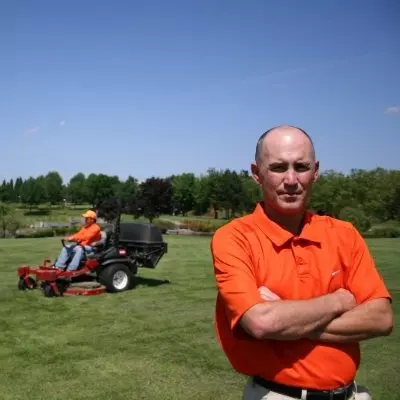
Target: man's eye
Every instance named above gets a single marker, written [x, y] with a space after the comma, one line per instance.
[278, 168]
[302, 167]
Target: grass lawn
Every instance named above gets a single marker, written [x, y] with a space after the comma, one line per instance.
[154, 342]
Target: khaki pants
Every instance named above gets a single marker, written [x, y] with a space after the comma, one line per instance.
[253, 391]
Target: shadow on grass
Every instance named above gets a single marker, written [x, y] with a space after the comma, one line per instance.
[150, 282]
[138, 280]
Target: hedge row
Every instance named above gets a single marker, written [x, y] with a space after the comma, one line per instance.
[200, 226]
[46, 232]
[163, 225]
[384, 232]
[194, 225]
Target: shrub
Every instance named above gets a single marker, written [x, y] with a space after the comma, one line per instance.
[200, 226]
[9, 220]
[357, 217]
[65, 230]
[383, 232]
[163, 224]
[37, 233]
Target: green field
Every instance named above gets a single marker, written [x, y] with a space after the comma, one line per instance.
[154, 342]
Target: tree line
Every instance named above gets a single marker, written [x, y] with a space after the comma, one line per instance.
[361, 196]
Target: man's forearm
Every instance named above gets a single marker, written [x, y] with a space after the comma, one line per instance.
[294, 319]
[366, 321]
[291, 319]
[324, 336]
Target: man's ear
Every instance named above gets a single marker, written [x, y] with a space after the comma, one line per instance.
[255, 173]
[316, 172]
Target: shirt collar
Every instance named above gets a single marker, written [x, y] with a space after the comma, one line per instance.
[280, 236]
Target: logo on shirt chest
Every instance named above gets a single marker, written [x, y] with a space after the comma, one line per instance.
[289, 281]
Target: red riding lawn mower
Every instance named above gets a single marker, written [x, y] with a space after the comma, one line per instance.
[110, 267]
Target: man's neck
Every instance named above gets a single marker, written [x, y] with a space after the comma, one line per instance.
[291, 223]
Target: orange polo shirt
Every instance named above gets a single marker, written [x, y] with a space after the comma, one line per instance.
[253, 251]
[88, 234]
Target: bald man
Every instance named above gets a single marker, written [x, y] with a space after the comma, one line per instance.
[297, 292]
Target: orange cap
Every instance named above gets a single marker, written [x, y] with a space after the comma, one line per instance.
[89, 214]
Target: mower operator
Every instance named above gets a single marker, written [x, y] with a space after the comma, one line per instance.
[87, 235]
[297, 292]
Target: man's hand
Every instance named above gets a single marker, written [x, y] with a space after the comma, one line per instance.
[267, 294]
[346, 300]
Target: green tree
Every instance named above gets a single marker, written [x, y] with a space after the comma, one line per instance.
[231, 186]
[18, 189]
[33, 192]
[331, 193]
[356, 216]
[127, 191]
[76, 189]
[251, 192]
[9, 221]
[183, 188]
[4, 192]
[154, 198]
[200, 194]
[54, 187]
[215, 190]
[100, 187]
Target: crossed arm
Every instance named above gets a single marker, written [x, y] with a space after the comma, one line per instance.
[368, 320]
[331, 318]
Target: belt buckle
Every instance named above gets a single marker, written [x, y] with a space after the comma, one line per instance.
[335, 394]
[339, 393]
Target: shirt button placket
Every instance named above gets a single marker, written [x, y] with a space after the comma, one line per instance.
[300, 259]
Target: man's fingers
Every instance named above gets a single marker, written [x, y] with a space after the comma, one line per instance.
[267, 294]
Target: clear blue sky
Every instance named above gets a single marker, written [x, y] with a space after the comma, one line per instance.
[152, 88]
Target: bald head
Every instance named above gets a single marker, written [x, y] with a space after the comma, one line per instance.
[275, 139]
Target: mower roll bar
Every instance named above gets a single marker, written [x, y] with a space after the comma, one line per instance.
[117, 224]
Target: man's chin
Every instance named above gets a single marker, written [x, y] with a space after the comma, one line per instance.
[291, 207]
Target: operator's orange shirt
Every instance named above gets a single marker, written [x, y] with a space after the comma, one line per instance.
[88, 234]
[329, 254]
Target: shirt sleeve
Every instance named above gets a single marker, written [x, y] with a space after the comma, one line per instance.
[78, 235]
[87, 235]
[234, 273]
[362, 278]
[92, 233]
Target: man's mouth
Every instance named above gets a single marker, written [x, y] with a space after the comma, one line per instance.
[289, 194]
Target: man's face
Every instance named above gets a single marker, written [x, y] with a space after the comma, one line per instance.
[286, 172]
[88, 221]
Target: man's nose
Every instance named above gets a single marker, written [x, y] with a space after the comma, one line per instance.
[290, 177]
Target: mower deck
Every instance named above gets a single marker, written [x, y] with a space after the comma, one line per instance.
[85, 289]
[55, 282]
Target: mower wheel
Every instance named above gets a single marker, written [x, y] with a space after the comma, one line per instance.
[27, 283]
[48, 290]
[116, 278]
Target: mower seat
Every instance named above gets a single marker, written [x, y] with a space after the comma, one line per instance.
[100, 244]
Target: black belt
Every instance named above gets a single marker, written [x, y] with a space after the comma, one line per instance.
[343, 393]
